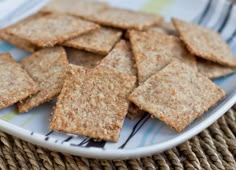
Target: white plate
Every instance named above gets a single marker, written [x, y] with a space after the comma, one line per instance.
[143, 136]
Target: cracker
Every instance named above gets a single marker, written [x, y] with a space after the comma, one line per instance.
[19, 42]
[134, 111]
[81, 8]
[205, 43]
[125, 19]
[164, 28]
[99, 41]
[83, 58]
[213, 70]
[120, 59]
[177, 95]
[16, 84]
[93, 103]
[153, 52]
[47, 67]
[56, 29]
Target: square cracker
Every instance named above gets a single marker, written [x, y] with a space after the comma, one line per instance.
[177, 95]
[47, 67]
[205, 43]
[213, 70]
[80, 8]
[16, 84]
[99, 41]
[56, 29]
[125, 19]
[164, 28]
[93, 103]
[83, 58]
[19, 42]
[120, 59]
[153, 55]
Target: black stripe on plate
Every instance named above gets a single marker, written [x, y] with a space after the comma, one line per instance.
[135, 129]
[67, 139]
[230, 39]
[49, 133]
[97, 144]
[226, 18]
[205, 11]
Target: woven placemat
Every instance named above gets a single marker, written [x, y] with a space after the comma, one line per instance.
[214, 148]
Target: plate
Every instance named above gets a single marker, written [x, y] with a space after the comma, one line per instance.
[143, 136]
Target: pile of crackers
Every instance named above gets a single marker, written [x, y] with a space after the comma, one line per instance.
[103, 63]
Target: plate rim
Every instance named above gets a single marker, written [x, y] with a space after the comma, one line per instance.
[111, 154]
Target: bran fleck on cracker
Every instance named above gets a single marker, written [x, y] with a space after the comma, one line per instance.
[16, 84]
[205, 43]
[177, 95]
[47, 67]
[83, 58]
[99, 41]
[93, 103]
[213, 70]
[57, 28]
[153, 51]
[125, 19]
[80, 8]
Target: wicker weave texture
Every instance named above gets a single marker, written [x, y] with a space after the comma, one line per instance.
[214, 148]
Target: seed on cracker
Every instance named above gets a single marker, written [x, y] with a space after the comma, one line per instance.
[83, 58]
[51, 29]
[125, 19]
[205, 43]
[16, 84]
[99, 41]
[120, 59]
[80, 8]
[93, 103]
[47, 67]
[213, 70]
[153, 52]
[177, 95]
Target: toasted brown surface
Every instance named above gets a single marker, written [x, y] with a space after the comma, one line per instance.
[81, 8]
[19, 42]
[213, 70]
[120, 59]
[177, 95]
[16, 84]
[98, 41]
[125, 19]
[205, 43]
[83, 58]
[47, 67]
[153, 51]
[93, 103]
[56, 29]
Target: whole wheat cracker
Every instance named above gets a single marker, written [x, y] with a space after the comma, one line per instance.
[177, 95]
[213, 70]
[205, 43]
[121, 59]
[19, 42]
[153, 51]
[164, 28]
[56, 29]
[47, 67]
[93, 103]
[80, 8]
[99, 41]
[16, 84]
[125, 19]
[83, 58]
